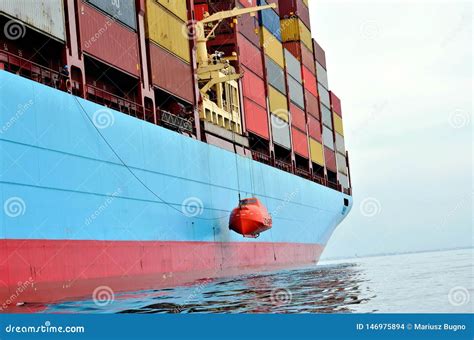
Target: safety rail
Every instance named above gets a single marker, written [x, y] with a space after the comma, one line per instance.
[174, 121]
[282, 165]
[319, 179]
[115, 102]
[28, 69]
[303, 173]
[333, 185]
[261, 157]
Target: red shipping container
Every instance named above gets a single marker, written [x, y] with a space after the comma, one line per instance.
[319, 54]
[312, 105]
[171, 74]
[302, 53]
[250, 55]
[253, 87]
[300, 142]
[248, 3]
[111, 42]
[298, 118]
[330, 158]
[256, 118]
[289, 8]
[248, 26]
[309, 80]
[336, 104]
[314, 128]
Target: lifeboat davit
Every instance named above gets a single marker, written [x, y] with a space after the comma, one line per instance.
[250, 218]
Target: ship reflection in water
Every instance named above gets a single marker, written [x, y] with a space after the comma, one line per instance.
[322, 289]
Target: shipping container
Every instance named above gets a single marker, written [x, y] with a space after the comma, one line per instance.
[317, 152]
[293, 66]
[123, 11]
[344, 180]
[336, 104]
[270, 20]
[330, 159]
[322, 75]
[290, 8]
[272, 47]
[275, 75]
[300, 142]
[171, 73]
[250, 55]
[298, 117]
[46, 16]
[341, 163]
[328, 138]
[314, 128]
[178, 8]
[319, 54]
[293, 29]
[302, 53]
[108, 40]
[253, 87]
[312, 105]
[296, 93]
[278, 103]
[324, 96]
[256, 118]
[167, 30]
[340, 144]
[338, 124]
[280, 132]
[309, 80]
[248, 26]
[248, 3]
[326, 117]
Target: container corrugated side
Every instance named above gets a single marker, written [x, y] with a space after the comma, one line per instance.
[171, 74]
[317, 151]
[168, 31]
[326, 117]
[312, 105]
[322, 75]
[177, 7]
[314, 128]
[338, 126]
[123, 11]
[341, 163]
[302, 53]
[330, 159]
[336, 104]
[293, 66]
[344, 180]
[296, 93]
[280, 132]
[272, 47]
[300, 142]
[275, 75]
[44, 15]
[328, 138]
[109, 41]
[256, 118]
[298, 117]
[289, 8]
[340, 144]
[278, 103]
[250, 55]
[270, 20]
[309, 80]
[319, 54]
[293, 29]
[253, 87]
[324, 95]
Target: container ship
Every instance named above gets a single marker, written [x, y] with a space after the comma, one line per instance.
[151, 143]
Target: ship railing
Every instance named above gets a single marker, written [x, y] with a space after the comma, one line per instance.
[303, 173]
[333, 185]
[28, 69]
[319, 179]
[261, 157]
[282, 165]
[176, 122]
[115, 102]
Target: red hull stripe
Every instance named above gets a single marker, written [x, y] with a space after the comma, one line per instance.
[50, 270]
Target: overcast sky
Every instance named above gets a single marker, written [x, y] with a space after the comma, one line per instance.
[403, 70]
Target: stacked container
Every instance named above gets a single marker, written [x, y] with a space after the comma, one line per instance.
[109, 34]
[342, 170]
[325, 110]
[169, 47]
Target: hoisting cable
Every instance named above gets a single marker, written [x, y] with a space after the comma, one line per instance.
[133, 173]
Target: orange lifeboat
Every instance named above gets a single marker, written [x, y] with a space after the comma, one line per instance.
[250, 218]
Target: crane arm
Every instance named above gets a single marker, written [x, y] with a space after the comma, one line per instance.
[235, 12]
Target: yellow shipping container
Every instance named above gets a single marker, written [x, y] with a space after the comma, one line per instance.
[317, 151]
[306, 3]
[177, 7]
[338, 127]
[293, 29]
[272, 47]
[167, 30]
[278, 103]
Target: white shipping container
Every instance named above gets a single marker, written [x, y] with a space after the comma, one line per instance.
[328, 139]
[322, 75]
[341, 163]
[281, 132]
[46, 16]
[340, 144]
[344, 180]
